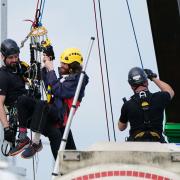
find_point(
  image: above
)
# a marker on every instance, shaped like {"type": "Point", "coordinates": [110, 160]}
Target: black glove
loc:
{"type": "Point", "coordinates": [48, 50]}
{"type": "Point", "coordinates": [22, 68]}
{"type": "Point", "coordinates": [9, 134]}
{"type": "Point", "coordinates": [150, 74]}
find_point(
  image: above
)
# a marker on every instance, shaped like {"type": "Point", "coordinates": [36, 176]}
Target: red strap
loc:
{"type": "Point", "coordinates": [69, 103]}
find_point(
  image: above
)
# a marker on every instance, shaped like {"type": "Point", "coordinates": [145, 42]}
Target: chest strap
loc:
{"type": "Point", "coordinates": [143, 99]}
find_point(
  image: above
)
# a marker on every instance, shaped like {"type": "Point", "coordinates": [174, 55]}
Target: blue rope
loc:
{"type": "Point", "coordinates": [42, 10]}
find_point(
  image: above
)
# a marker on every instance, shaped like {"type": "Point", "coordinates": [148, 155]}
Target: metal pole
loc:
{"type": "Point", "coordinates": [178, 1]}
{"type": "Point", "coordinates": [3, 36]}
{"type": "Point", "coordinates": [72, 110]}
{"type": "Point", "coordinates": [3, 19]}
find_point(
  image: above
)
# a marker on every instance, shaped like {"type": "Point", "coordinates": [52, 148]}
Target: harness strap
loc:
{"type": "Point", "coordinates": [144, 101]}
{"type": "Point", "coordinates": [6, 147]}
{"type": "Point", "coordinates": [68, 103]}
{"type": "Point", "coordinates": [141, 134]}
{"type": "Point", "coordinates": [12, 112]}
{"type": "Point", "coordinates": [152, 133]}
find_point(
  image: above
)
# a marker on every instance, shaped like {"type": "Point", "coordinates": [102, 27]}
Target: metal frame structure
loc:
{"type": "Point", "coordinates": [164, 19]}
{"type": "Point", "coordinates": [179, 5]}
{"type": "Point", "coordinates": [3, 36]}
{"type": "Point", "coordinates": [3, 19]}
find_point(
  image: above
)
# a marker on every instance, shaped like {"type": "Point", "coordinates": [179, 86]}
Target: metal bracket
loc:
{"type": "Point", "coordinates": [175, 157]}
{"type": "Point", "coordinates": [71, 156]}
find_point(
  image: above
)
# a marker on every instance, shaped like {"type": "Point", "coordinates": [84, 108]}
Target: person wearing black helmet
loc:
{"type": "Point", "coordinates": [144, 111]}
{"type": "Point", "coordinates": [12, 85]}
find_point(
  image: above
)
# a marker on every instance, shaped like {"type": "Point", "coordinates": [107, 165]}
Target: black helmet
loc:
{"type": "Point", "coordinates": [9, 47]}
{"type": "Point", "coordinates": [136, 76]}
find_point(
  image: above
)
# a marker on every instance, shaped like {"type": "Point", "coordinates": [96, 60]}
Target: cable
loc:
{"type": "Point", "coordinates": [134, 34]}
{"type": "Point", "coordinates": [34, 174]}
{"type": "Point", "coordinates": [42, 11]}
{"type": "Point", "coordinates": [102, 78]}
{"type": "Point", "coordinates": [36, 13]}
{"type": "Point", "coordinates": [40, 6]}
{"type": "Point", "coordinates": [37, 6]}
{"type": "Point", "coordinates": [107, 73]}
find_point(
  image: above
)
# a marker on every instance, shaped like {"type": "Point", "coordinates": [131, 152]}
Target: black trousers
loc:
{"type": "Point", "coordinates": [55, 135]}
{"type": "Point", "coordinates": [40, 117]}
{"type": "Point", "coordinates": [32, 113]}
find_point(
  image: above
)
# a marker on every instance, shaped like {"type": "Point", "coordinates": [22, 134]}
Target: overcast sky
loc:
{"type": "Point", "coordinates": [71, 24]}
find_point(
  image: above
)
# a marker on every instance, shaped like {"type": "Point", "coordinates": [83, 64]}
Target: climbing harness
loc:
{"type": "Point", "coordinates": [150, 136]}
{"type": "Point", "coordinates": [13, 124]}
{"type": "Point", "coordinates": [143, 100]}
{"type": "Point", "coordinates": [39, 42]}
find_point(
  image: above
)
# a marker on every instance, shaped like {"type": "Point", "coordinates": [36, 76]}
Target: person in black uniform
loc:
{"type": "Point", "coordinates": [144, 111]}
{"type": "Point", "coordinates": [12, 84]}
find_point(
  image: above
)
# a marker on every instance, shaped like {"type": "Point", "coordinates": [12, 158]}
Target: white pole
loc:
{"type": "Point", "coordinates": [3, 36]}
{"type": "Point", "coordinates": [56, 171]}
{"type": "Point", "coordinates": [3, 19]}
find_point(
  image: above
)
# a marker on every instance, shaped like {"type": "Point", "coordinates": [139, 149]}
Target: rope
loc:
{"type": "Point", "coordinates": [36, 23]}
{"type": "Point", "coordinates": [40, 5]}
{"type": "Point", "coordinates": [37, 5]}
{"type": "Point", "coordinates": [35, 17]}
{"type": "Point", "coordinates": [42, 11]}
{"type": "Point", "coordinates": [38, 13]}
{"type": "Point", "coordinates": [134, 34]}
{"type": "Point", "coordinates": [35, 59]}
{"type": "Point", "coordinates": [107, 73]}
{"type": "Point", "coordinates": [34, 174]}
{"type": "Point", "coordinates": [102, 78]}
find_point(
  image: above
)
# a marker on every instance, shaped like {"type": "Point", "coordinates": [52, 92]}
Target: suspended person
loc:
{"type": "Point", "coordinates": [12, 83]}
{"type": "Point", "coordinates": [144, 111]}
{"type": "Point", "coordinates": [50, 118]}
